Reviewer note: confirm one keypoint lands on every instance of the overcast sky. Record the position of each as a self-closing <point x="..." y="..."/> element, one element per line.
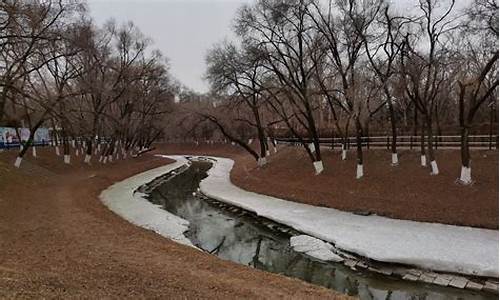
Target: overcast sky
<point x="182" y="29"/>
<point x="185" y="29"/>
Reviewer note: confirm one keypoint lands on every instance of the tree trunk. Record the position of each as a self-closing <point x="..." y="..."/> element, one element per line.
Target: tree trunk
<point x="359" y="136"/>
<point x="392" y="118"/>
<point x="423" y="160"/>
<point x="67" y="157"/>
<point x="430" y="149"/>
<point x="261" y="161"/>
<point x="345" y="139"/>
<point x="88" y="153"/>
<point x="465" y="174"/>
<point x="24" y="149"/>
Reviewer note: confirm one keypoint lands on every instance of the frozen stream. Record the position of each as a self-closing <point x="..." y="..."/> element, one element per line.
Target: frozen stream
<point x="234" y="235"/>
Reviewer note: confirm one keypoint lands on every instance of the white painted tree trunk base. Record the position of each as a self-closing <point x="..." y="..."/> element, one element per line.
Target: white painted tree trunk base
<point x="359" y="171"/>
<point x="268" y="153"/>
<point x="344" y="154"/>
<point x="101" y="158"/>
<point x="87" y="158"/>
<point x="261" y="161"/>
<point x="318" y="167"/>
<point x="17" y="164"/>
<point x="77" y="152"/>
<point x="67" y="159"/>
<point x="110" y="158"/>
<point x="435" y="169"/>
<point x="275" y="149"/>
<point x="58" y="153"/>
<point x="312" y="148"/>
<point x="423" y="160"/>
<point x="34" y="151"/>
<point x="395" y="159"/>
<point x="465" y="176"/>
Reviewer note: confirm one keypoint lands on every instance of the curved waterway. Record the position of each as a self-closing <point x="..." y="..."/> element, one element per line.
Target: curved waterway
<point x="238" y="236"/>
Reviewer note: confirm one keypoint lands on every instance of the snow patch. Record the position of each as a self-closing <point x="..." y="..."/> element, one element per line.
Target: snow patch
<point x="314" y="247"/>
<point x="121" y="199"/>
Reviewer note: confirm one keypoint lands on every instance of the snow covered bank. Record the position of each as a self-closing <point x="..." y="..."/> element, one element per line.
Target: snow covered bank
<point x="121" y="199"/>
<point x="437" y="247"/>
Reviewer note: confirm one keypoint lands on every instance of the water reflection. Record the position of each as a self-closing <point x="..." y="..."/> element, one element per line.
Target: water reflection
<point x="241" y="238"/>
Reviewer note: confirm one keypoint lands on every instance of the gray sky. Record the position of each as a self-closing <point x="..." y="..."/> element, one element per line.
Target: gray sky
<point x="185" y="29"/>
<point x="182" y="29"/>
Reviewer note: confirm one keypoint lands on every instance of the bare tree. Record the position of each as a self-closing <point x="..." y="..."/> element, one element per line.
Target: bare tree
<point x="478" y="76"/>
<point x="345" y="34"/>
<point x="283" y="33"/>
<point x="424" y="61"/>
<point x="239" y="73"/>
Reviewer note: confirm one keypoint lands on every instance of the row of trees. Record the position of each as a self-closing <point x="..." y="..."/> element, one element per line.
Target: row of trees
<point x="354" y="63"/>
<point x="101" y="90"/>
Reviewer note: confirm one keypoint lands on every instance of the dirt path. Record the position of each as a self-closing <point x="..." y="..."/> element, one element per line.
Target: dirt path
<point x="58" y="240"/>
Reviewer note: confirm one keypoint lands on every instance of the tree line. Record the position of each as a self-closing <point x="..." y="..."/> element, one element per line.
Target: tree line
<point x="314" y="68"/>
<point x="101" y="89"/>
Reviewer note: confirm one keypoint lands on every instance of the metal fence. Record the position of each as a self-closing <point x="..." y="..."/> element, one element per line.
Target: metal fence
<point x="440" y="141"/>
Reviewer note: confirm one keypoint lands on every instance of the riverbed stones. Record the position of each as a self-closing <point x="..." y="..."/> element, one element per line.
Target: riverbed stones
<point x="426" y="278"/>
<point x="474" y="286"/>
<point x="350" y="263"/>
<point x="410" y="277"/>
<point x="442" y="280"/>
<point x="458" y="282"/>
<point x="415" y="272"/>
<point x="491" y="287"/>
<point x="382" y="270"/>
<point x="362" y="265"/>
